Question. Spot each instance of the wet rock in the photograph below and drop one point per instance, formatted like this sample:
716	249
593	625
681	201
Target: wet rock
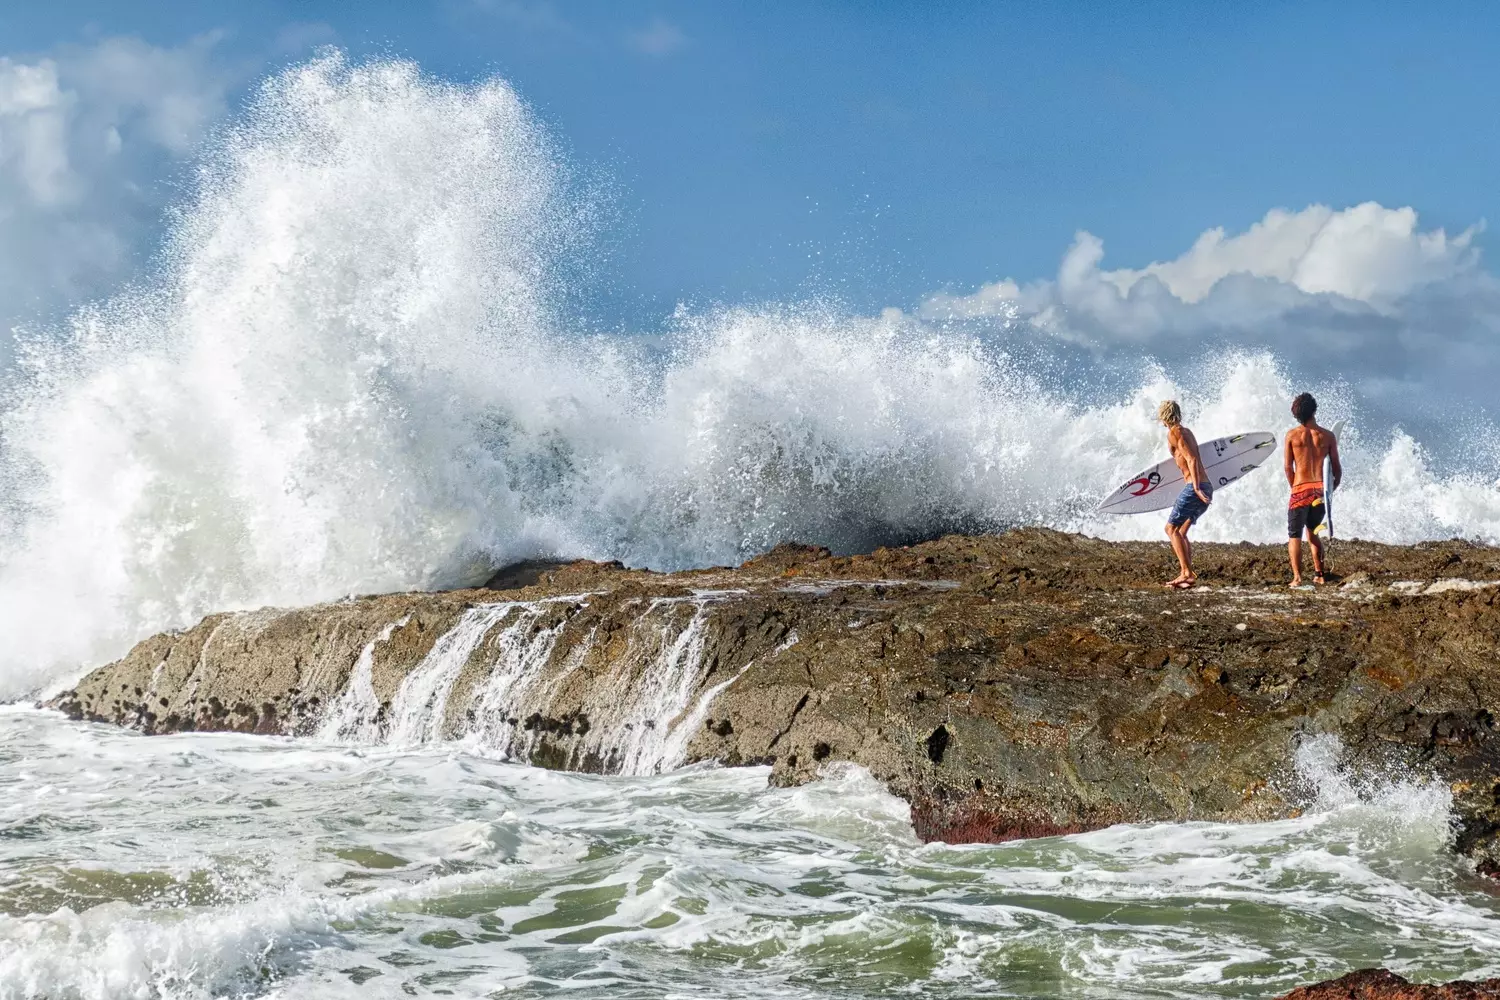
1379	984
1022	685
526	573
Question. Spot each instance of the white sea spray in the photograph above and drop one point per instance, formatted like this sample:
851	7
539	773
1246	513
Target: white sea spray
1416	805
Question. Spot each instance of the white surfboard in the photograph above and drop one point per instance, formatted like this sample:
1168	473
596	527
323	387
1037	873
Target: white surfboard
1325	529
1225	459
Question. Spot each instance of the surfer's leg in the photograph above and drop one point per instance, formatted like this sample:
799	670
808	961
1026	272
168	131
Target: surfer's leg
1314	521
1199	507
1185	512
1177	521
1188	576
1179	548
1295	520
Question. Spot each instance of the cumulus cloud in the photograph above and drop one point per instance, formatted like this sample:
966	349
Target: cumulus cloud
85	132
1362	294
1367	253
659	38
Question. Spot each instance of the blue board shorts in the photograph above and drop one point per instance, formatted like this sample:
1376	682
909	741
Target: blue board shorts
1188	507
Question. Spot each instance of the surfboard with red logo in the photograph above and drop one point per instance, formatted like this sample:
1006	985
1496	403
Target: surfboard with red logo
1225	460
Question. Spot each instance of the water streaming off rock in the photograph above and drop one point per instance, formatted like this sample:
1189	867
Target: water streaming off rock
422	703
523	650
355	716
491	681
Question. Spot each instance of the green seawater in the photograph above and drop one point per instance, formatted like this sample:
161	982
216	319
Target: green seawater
201	866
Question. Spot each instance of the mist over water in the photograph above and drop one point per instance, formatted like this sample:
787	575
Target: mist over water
352	372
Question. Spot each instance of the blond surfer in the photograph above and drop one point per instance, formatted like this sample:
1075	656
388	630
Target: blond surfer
1306	447
1195	496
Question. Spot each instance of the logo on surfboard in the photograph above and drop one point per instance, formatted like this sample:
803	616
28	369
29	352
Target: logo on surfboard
1145	484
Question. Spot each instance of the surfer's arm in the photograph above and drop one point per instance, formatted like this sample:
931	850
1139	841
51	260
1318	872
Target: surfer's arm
1196	472
1198	489
1289	462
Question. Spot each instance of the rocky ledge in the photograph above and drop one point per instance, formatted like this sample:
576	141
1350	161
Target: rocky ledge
1378	984
1006	686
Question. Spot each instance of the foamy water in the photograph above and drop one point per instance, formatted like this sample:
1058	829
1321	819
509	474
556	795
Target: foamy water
197	866
348	374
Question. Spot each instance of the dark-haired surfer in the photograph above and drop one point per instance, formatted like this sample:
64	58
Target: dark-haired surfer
1195	496
1306	447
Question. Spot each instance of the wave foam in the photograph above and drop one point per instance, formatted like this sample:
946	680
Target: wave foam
1409	806
115	950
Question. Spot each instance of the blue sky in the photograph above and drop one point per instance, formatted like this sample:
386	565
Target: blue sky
884	151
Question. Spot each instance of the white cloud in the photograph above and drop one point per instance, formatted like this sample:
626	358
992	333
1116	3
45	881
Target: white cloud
1362	294
33	128
85	135
1368	254
659	38
169	95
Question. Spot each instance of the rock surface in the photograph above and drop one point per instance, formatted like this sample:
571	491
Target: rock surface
1378	984
1006	686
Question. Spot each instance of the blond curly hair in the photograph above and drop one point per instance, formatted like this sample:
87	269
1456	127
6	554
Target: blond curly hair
1169	413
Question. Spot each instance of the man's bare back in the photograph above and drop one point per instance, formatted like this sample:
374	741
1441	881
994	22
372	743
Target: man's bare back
1306	447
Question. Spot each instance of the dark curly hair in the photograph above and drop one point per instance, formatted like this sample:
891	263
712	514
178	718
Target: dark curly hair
1304	408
